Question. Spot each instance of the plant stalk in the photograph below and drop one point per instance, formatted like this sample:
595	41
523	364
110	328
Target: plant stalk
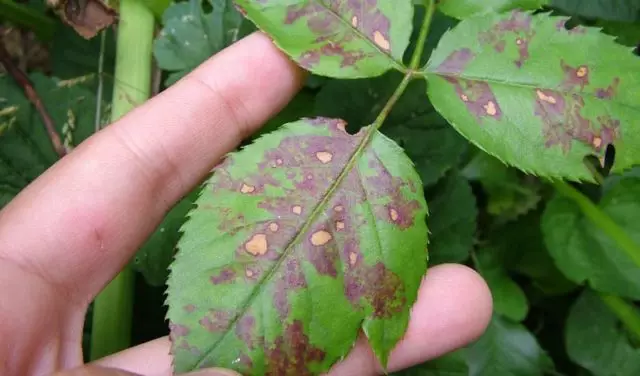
601	220
625	312
28	18
113	308
424	32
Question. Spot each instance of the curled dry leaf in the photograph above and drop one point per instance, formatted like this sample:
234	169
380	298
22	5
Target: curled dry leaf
87	17
299	241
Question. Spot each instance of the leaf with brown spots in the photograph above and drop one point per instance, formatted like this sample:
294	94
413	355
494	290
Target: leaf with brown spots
337	38
87	17
468	8
532	93
299	241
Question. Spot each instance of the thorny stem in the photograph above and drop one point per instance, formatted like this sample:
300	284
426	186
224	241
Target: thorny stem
23	80
424	32
601	220
625	312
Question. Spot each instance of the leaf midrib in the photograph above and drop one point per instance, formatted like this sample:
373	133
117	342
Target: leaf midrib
294	241
530	87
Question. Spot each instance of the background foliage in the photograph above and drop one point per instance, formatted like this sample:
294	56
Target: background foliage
559	284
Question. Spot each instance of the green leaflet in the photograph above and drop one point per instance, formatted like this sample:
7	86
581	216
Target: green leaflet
467	8
429	141
190	36
595	340
583	252
507	349
528	91
508	298
613	10
289	253
337	38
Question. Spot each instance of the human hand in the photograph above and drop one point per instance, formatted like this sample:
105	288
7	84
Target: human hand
74	228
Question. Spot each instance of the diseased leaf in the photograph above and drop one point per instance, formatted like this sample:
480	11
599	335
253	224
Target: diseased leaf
509	192
452	217
87	17
467	8
427	138
451	364
530	92
337	38
190	36
590	320
298	241
507	348
614	10
508	298
25	147
584	253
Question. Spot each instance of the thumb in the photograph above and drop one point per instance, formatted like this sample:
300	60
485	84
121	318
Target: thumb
91	370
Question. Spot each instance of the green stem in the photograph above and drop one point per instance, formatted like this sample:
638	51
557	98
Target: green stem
391	102
601	220
113	308
21	15
626	313
424	32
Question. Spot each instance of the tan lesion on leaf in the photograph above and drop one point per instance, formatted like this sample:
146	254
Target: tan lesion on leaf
246	188
393	214
339	225
546	98
338	208
273	226
490	108
296	209
320	238
324	156
354	21
381	40
257	245
582	71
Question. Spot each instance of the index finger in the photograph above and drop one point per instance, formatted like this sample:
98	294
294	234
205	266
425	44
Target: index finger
88	214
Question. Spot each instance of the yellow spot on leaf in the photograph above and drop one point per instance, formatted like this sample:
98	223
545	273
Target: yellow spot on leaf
353	258
324	156
320	238
249	273
582	71
296	209
464	98
339	225
519	41
257	245
597	142
247	188
273	227
354	21
381	40
546	98
393	213
490	107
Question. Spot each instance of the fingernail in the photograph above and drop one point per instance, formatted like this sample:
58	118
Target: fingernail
214	372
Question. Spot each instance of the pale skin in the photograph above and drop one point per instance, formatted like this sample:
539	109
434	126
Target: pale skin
73	229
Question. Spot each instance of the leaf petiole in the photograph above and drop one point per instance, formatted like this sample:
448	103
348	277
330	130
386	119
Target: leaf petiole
625	312
424	32
601	220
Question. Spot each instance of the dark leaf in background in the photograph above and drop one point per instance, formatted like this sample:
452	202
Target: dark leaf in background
508	298
25	147
596	341
452	220
510	193
432	145
86	17
613	10
451	364
468	8
190	35
583	252
507	349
